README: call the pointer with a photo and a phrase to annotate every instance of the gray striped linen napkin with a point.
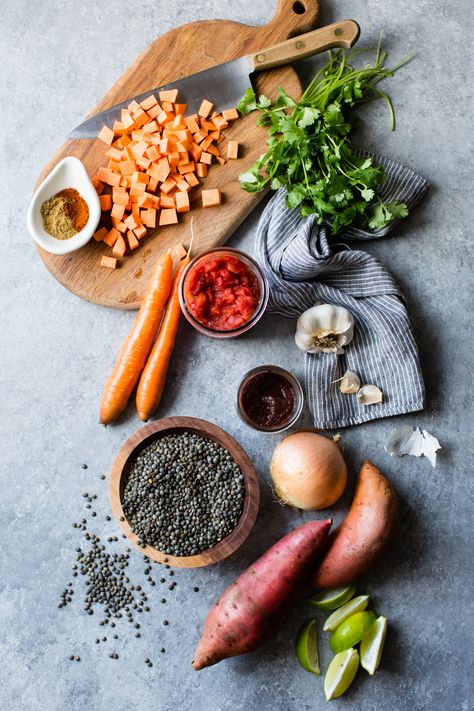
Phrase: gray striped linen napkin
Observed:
(305, 266)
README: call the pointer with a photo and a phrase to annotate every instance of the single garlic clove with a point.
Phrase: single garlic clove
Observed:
(350, 383)
(305, 341)
(369, 395)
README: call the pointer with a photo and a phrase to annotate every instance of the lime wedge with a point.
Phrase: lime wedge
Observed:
(357, 604)
(341, 673)
(371, 647)
(332, 599)
(307, 647)
(351, 631)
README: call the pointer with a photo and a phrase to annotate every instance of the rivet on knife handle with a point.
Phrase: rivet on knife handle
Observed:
(339, 34)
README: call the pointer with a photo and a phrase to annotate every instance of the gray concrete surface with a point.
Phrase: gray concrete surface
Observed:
(57, 58)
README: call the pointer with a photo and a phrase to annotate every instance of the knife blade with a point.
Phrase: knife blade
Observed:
(226, 83)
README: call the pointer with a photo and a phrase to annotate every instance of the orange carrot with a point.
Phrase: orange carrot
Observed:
(134, 352)
(152, 380)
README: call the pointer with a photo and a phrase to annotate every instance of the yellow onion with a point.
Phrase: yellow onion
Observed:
(308, 471)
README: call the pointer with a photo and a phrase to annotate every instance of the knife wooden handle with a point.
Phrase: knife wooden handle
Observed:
(339, 34)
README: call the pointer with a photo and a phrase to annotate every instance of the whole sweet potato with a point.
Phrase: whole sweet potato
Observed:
(365, 533)
(250, 609)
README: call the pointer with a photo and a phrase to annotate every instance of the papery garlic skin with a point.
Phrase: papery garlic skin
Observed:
(324, 329)
(369, 395)
(350, 383)
(407, 440)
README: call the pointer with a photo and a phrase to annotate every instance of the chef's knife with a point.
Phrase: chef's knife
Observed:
(226, 83)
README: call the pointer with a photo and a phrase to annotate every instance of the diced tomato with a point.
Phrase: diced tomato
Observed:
(222, 293)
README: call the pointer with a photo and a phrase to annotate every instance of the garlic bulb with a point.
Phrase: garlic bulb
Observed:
(369, 395)
(324, 328)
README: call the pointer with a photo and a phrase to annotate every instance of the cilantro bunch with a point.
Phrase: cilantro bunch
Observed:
(309, 149)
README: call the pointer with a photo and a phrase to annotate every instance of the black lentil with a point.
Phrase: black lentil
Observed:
(183, 495)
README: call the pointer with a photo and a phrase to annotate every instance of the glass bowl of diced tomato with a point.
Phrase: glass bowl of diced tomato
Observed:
(223, 293)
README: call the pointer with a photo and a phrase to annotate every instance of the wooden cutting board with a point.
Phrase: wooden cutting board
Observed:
(180, 52)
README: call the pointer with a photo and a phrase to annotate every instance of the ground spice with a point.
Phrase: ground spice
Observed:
(65, 214)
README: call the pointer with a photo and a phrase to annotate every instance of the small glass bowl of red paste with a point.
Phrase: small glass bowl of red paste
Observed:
(223, 293)
(269, 399)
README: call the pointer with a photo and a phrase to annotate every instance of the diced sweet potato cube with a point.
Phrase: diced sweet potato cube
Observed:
(109, 262)
(148, 102)
(131, 222)
(140, 231)
(167, 201)
(149, 128)
(173, 159)
(99, 187)
(117, 210)
(113, 179)
(119, 225)
(168, 186)
(164, 117)
(103, 174)
(152, 153)
(182, 202)
(119, 247)
(232, 150)
(100, 234)
(192, 124)
(179, 109)
(111, 237)
(211, 198)
(201, 170)
(143, 163)
(105, 202)
(206, 158)
(153, 184)
(183, 186)
(140, 117)
(186, 168)
(195, 151)
(106, 135)
(230, 114)
(169, 95)
(154, 111)
(219, 122)
(168, 217)
(205, 143)
(127, 167)
(192, 179)
(114, 153)
(139, 177)
(205, 108)
(132, 240)
(149, 218)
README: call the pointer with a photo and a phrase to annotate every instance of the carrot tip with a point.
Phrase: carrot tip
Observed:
(144, 416)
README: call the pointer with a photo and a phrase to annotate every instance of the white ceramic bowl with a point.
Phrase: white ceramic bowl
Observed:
(69, 173)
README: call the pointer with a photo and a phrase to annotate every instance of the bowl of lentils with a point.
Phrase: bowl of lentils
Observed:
(184, 492)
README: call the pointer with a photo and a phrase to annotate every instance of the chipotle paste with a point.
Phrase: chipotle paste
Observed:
(222, 292)
(268, 399)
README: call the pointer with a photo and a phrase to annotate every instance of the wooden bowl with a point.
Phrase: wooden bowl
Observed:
(173, 425)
